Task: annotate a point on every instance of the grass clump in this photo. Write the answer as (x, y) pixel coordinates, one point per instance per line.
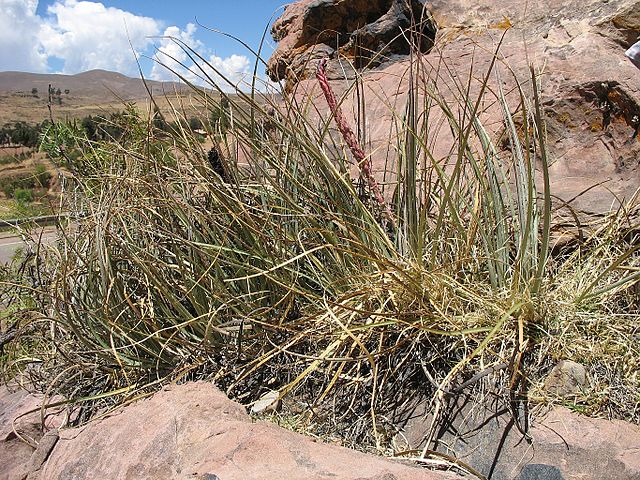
(23, 195)
(271, 268)
(13, 209)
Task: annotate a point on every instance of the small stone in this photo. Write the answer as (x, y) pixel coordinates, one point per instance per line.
(566, 379)
(269, 402)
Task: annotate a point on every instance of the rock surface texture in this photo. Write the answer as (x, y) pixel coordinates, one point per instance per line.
(589, 89)
(366, 31)
(562, 444)
(194, 431)
(20, 414)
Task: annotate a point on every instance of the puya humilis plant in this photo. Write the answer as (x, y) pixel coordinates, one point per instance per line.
(275, 270)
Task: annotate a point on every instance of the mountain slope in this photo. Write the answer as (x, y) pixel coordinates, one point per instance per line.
(94, 83)
(88, 93)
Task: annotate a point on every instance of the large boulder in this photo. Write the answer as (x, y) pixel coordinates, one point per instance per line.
(589, 89)
(193, 431)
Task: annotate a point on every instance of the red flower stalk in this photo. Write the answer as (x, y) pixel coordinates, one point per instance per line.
(364, 163)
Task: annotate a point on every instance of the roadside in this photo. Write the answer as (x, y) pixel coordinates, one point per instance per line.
(11, 242)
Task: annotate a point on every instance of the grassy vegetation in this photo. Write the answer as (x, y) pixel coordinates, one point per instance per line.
(19, 208)
(283, 273)
(39, 179)
(12, 159)
(26, 194)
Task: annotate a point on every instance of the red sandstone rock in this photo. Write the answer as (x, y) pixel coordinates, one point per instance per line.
(15, 454)
(358, 29)
(194, 431)
(590, 91)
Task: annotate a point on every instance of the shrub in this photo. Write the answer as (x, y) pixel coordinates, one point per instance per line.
(23, 195)
(8, 185)
(39, 179)
(195, 123)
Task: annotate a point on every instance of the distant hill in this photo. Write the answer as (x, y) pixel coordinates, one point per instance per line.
(94, 83)
(88, 93)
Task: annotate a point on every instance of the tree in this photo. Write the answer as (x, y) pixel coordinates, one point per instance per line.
(34, 91)
(195, 123)
(89, 125)
(66, 91)
(58, 92)
(5, 136)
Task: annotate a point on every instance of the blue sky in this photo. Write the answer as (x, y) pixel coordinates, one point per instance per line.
(70, 36)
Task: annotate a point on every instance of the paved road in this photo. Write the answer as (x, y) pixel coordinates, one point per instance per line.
(10, 242)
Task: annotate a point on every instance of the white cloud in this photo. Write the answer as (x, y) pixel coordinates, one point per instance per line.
(88, 35)
(20, 48)
(85, 35)
(172, 61)
(170, 55)
(234, 68)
